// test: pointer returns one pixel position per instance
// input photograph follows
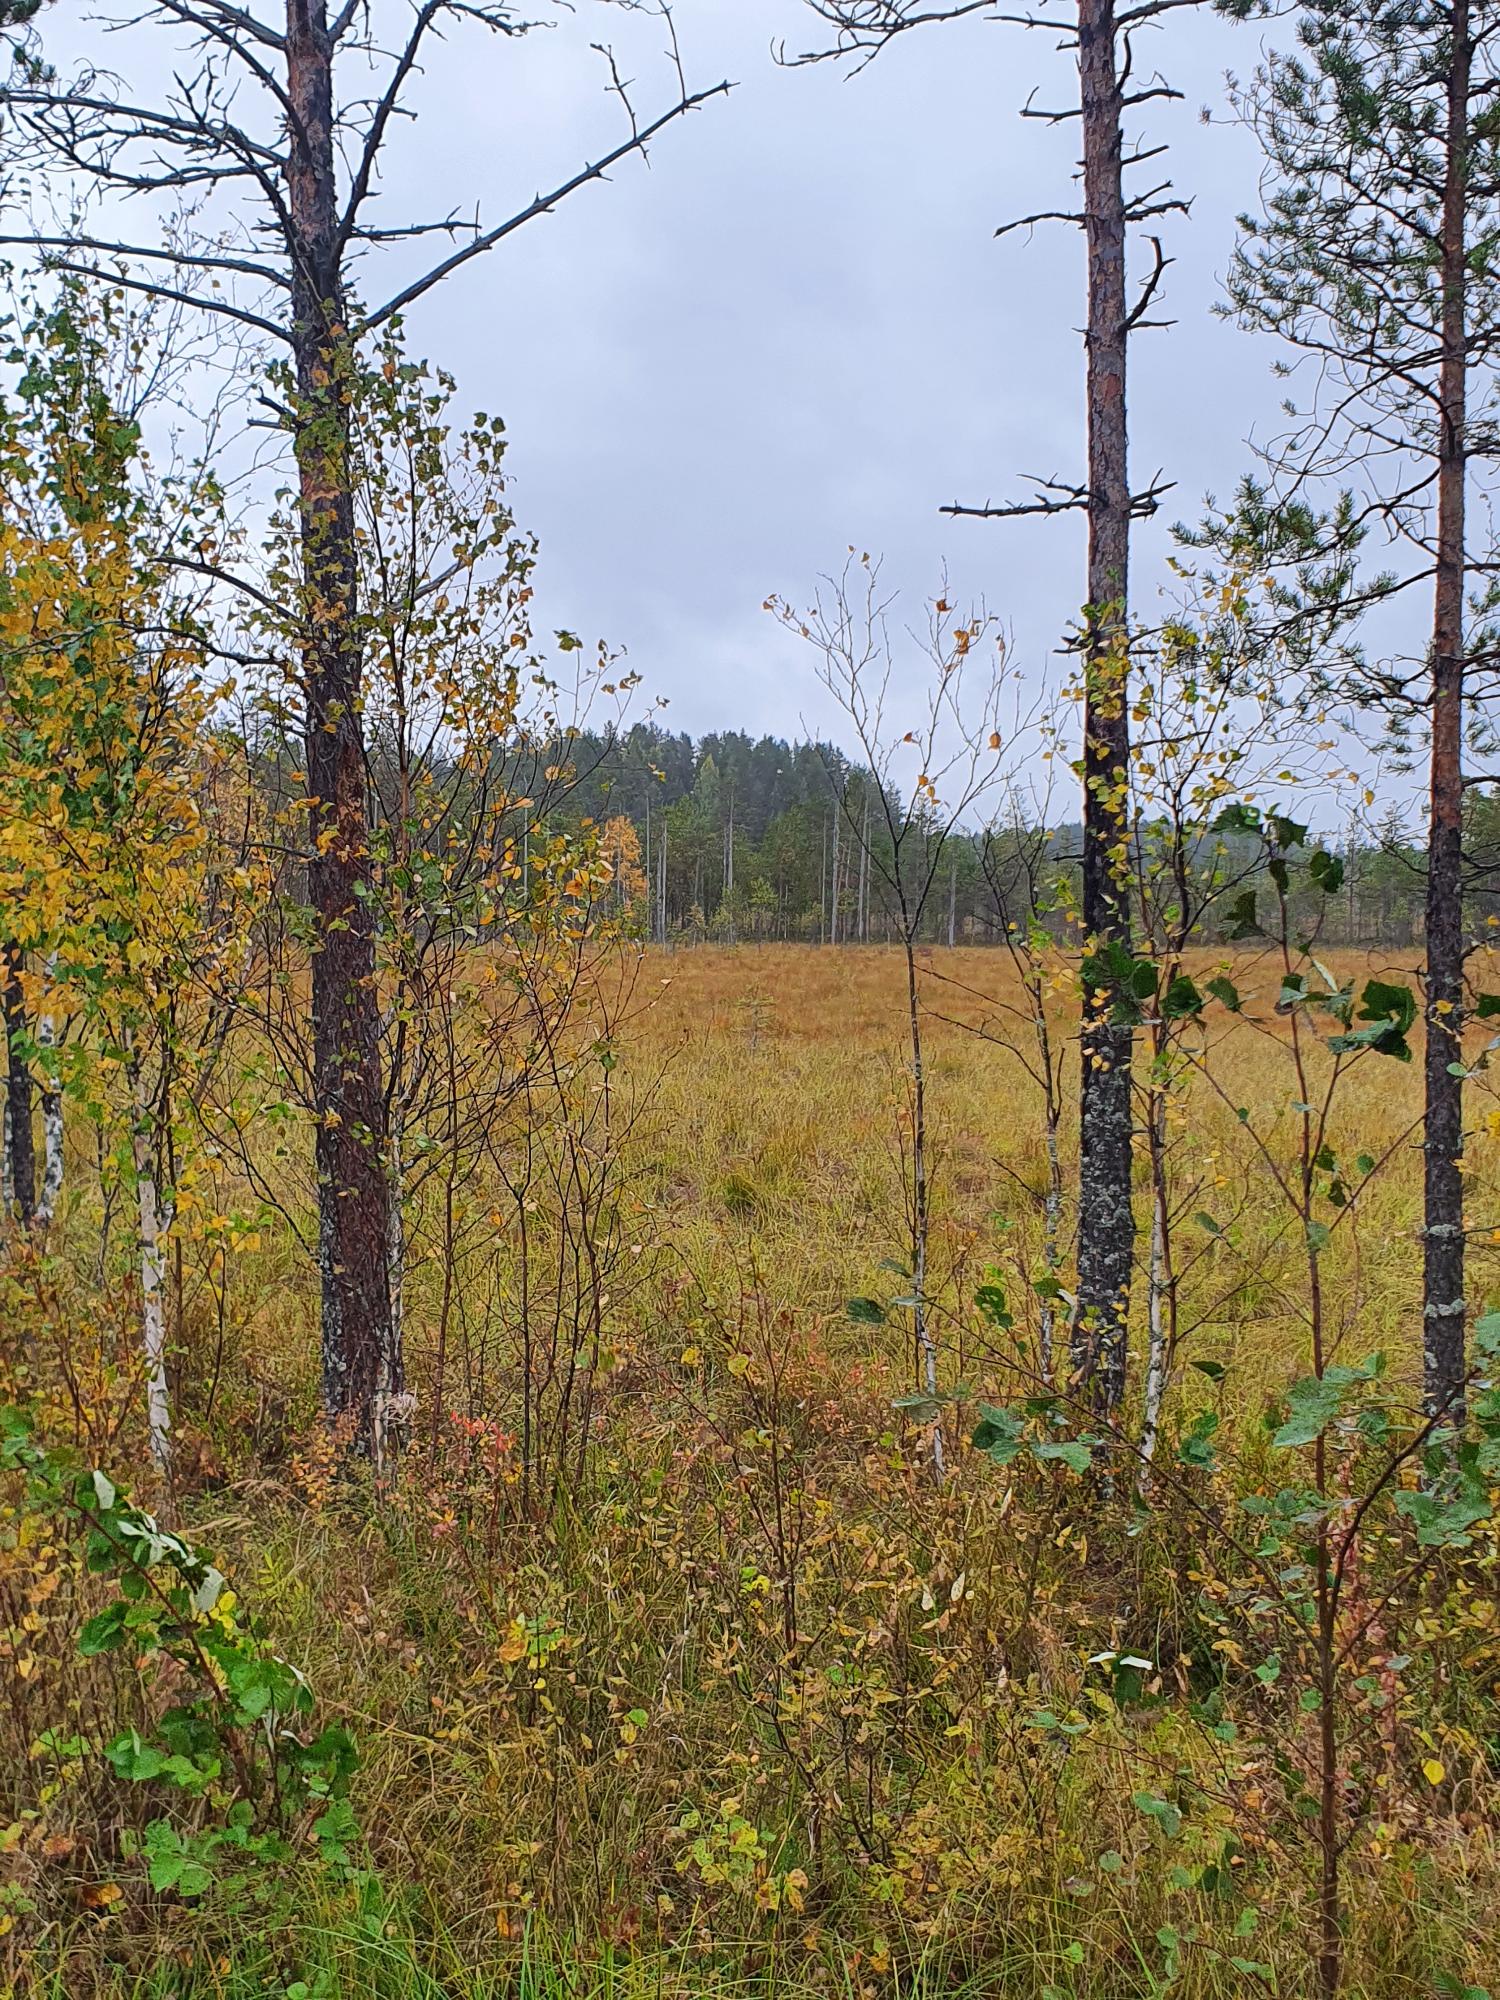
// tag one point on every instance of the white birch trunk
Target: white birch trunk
(154, 1223)
(52, 1127)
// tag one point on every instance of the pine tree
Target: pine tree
(1374, 257)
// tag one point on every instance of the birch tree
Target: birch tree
(106, 817)
(279, 127)
(924, 779)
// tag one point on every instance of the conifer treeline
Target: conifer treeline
(740, 838)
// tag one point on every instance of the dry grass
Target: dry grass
(751, 1705)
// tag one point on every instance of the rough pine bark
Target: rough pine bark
(362, 1363)
(20, 1139)
(1443, 1219)
(1106, 1221)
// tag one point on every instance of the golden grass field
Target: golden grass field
(752, 1707)
(783, 1086)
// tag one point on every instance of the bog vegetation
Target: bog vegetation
(638, 1368)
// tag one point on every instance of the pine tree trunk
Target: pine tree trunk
(19, 1137)
(362, 1361)
(1106, 1223)
(1443, 1232)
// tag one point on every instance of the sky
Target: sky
(794, 330)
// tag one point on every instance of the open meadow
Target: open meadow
(669, 1666)
(649, 1355)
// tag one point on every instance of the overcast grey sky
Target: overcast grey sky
(794, 329)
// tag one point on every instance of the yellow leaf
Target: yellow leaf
(1433, 1771)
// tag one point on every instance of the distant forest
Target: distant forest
(732, 838)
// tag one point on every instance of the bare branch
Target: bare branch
(1073, 499)
(543, 205)
(1042, 215)
(264, 272)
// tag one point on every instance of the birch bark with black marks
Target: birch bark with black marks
(53, 1163)
(154, 1218)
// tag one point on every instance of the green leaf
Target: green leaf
(103, 1632)
(1125, 980)
(865, 1312)
(1315, 1401)
(1225, 991)
(1241, 920)
(992, 1302)
(1443, 1521)
(1166, 1815)
(130, 1758)
(1390, 1011)
(998, 1434)
(1182, 999)
(1327, 871)
(1286, 832)
(1238, 819)
(1073, 1454)
(1195, 1448)
(1313, 1405)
